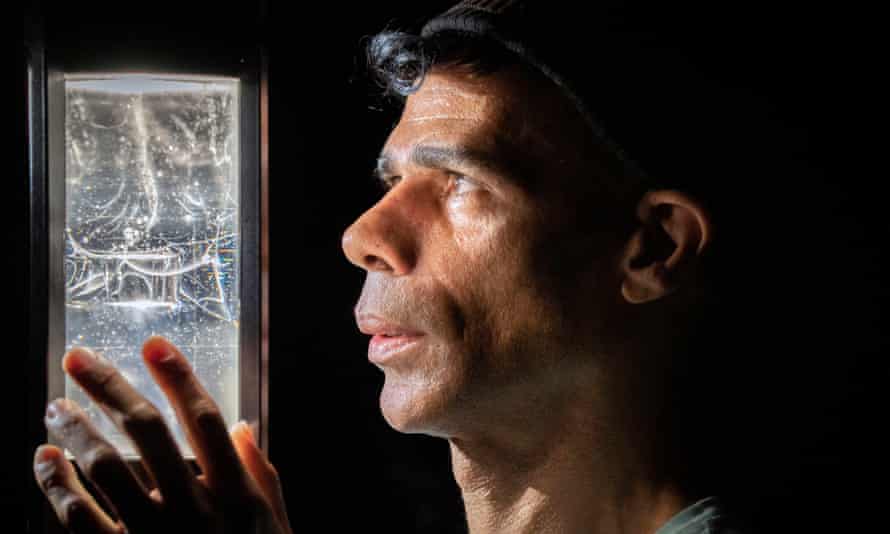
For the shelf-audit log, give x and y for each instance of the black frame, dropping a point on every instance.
(48, 60)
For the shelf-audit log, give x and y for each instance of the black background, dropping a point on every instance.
(810, 465)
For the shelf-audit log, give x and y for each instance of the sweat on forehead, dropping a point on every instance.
(452, 97)
(521, 105)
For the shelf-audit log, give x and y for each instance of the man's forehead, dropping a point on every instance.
(452, 97)
(504, 109)
(506, 115)
(449, 111)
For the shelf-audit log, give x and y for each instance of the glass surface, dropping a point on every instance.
(152, 231)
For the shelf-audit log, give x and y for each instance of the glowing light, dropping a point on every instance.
(143, 305)
(152, 229)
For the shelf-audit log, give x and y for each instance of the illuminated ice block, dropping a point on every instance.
(152, 231)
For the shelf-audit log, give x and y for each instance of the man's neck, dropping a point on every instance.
(581, 478)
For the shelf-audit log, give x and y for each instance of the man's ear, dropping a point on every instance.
(674, 229)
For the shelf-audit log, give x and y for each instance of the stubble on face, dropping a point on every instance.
(483, 285)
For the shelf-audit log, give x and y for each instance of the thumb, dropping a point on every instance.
(259, 467)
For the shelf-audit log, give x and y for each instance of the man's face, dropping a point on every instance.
(478, 246)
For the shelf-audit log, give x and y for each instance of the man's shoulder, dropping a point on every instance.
(706, 516)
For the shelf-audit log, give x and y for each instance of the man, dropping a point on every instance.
(531, 291)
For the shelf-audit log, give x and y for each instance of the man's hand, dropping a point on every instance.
(238, 491)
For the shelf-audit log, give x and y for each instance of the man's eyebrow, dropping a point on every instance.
(442, 157)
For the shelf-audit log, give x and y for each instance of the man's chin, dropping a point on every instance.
(412, 410)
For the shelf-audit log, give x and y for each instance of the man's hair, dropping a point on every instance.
(726, 137)
(398, 61)
(701, 136)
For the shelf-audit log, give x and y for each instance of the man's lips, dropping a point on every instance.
(383, 348)
(377, 325)
(389, 337)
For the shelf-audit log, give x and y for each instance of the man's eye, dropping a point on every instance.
(462, 185)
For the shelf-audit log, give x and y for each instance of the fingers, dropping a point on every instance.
(74, 506)
(139, 419)
(259, 467)
(199, 415)
(99, 460)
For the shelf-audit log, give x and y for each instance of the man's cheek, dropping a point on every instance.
(475, 223)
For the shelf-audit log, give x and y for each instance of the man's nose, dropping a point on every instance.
(381, 240)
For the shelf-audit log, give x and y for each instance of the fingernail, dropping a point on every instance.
(51, 410)
(251, 432)
(158, 353)
(44, 455)
(44, 462)
(245, 429)
(58, 408)
(78, 358)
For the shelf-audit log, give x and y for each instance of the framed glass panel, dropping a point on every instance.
(152, 230)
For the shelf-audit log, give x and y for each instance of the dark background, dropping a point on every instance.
(808, 448)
